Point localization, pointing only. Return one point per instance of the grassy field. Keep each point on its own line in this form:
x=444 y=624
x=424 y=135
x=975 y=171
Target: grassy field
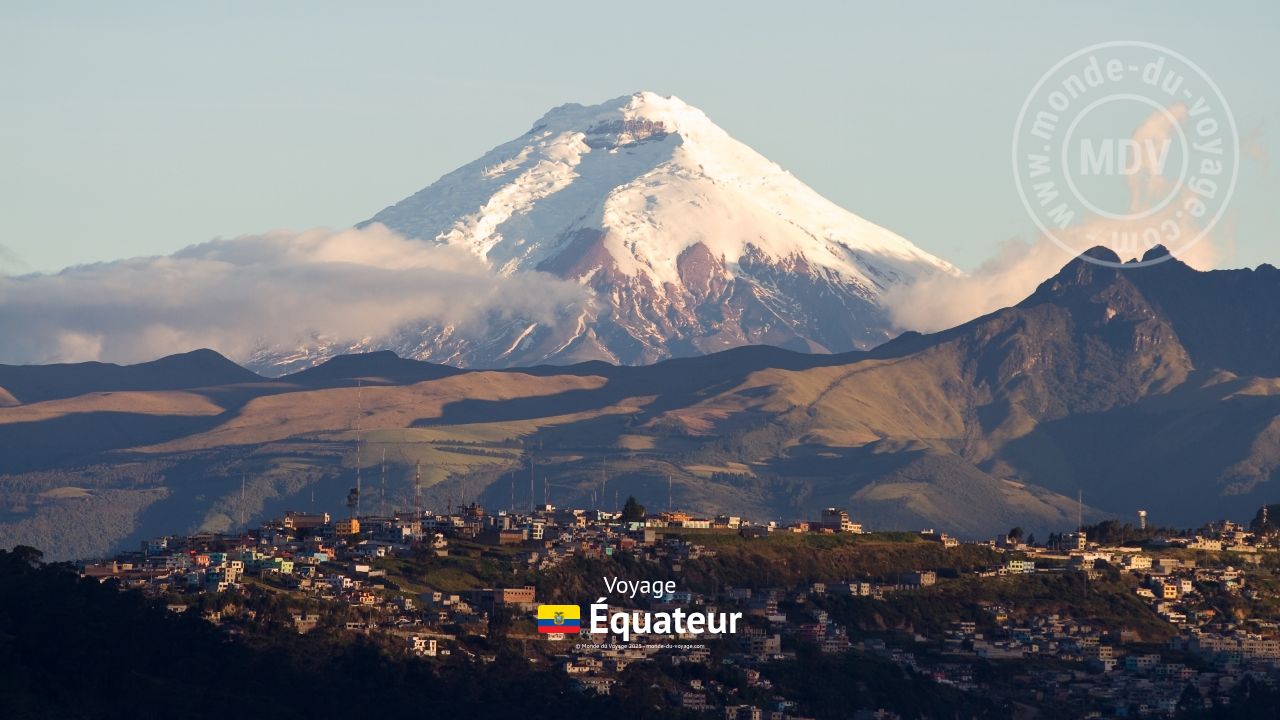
x=467 y=567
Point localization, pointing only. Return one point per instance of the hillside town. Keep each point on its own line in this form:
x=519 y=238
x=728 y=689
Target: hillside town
x=1184 y=652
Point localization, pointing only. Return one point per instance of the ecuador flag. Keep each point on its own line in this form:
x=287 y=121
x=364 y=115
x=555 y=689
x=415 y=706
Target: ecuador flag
x=559 y=618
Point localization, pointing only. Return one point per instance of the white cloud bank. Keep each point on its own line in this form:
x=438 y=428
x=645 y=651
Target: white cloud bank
x=279 y=289
x=944 y=301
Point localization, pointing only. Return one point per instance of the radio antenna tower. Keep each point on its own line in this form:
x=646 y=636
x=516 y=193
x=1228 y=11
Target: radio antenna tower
x=357 y=508
x=242 y=475
x=382 y=499
x=359 y=413
x=1079 y=510
x=417 y=489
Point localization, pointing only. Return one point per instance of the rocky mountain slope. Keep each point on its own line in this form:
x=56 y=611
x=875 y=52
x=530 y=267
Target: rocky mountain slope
x=689 y=242
x=1155 y=388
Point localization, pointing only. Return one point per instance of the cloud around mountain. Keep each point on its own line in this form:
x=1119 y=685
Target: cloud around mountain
x=280 y=289
x=945 y=300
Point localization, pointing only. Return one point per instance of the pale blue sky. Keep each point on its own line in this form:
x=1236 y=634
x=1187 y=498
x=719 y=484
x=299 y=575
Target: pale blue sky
x=139 y=128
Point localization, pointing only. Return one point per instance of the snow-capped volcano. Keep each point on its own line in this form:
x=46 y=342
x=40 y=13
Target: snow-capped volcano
x=687 y=240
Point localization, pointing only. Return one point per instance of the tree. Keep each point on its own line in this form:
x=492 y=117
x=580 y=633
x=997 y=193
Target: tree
x=632 y=511
x=1266 y=520
x=30 y=556
x=1191 y=699
x=500 y=622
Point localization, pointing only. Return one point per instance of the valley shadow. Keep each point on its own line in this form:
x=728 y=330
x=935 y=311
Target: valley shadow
x=381 y=367
x=190 y=494
x=232 y=398
x=857 y=465
x=193 y=491
x=674 y=383
x=72 y=439
x=1159 y=455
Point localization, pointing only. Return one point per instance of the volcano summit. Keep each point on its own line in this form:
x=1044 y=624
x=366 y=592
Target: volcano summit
x=686 y=242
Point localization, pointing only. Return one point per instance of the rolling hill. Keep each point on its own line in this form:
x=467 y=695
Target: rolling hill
x=1153 y=388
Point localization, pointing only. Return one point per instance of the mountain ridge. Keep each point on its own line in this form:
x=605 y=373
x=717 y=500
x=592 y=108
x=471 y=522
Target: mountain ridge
x=1106 y=382
x=686 y=240
x=196 y=368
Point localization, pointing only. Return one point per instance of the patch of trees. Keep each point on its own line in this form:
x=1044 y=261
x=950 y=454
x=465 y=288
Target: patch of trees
x=762 y=438
x=632 y=511
x=1266 y=520
x=734 y=479
x=479 y=451
x=1110 y=532
x=127 y=475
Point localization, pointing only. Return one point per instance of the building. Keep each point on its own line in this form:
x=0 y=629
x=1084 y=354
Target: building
x=1201 y=543
x=1077 y=541
x=304 y=521
x=939 y=537
x=595 y=684
x=350 y=526
x=504 y=536
x=676 y=518
x=281 y=566
x=837 y=520
x=304 y=622
x=1017 y=567
x=422 y=645
x=919 y=578
x=762 y=645
x=732 y=522
x=1136 y=562
x=522 y=597
x=694 y=701
x=743 y=712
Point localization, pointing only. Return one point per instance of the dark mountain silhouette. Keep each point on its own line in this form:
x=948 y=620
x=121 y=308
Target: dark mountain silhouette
x=195 y=369
x=382 y=367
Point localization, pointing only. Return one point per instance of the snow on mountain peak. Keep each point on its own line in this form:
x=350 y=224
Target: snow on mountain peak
x=670 y=112
x=686 y=241
x=653 y=176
